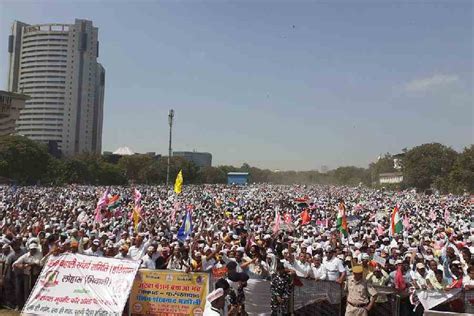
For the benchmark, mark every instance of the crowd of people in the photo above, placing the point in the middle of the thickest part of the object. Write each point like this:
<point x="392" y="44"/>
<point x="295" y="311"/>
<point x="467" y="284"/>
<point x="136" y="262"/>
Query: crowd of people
<point x="278" y="233"/>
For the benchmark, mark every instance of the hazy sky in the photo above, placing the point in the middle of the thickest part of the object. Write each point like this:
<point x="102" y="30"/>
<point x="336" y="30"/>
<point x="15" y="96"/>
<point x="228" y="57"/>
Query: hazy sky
<point x="282" y="85"/>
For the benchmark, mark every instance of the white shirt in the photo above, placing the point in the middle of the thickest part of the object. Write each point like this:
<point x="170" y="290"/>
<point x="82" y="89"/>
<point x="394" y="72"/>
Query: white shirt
<point x="334" y="268"/>
<point x="97" y="253"/>
<point x="318" y="273"/>
<point x="211" y="311"/>
<point x="302" y="269"/>
<point x="207" y="265"/>
<point x="137" y="252"/>
<point x="148" y="263"/>
<point x="466" y="280"/>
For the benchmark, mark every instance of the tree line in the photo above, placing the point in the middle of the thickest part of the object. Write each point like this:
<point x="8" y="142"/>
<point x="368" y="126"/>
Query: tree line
<point x="432" y="165"/>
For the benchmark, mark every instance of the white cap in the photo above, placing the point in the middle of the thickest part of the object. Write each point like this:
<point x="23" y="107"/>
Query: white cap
<point x="214" y="295"/>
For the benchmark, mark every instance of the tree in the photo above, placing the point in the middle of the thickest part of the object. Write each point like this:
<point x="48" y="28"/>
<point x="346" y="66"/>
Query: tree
<point x="23" y="160"/>
<point x="426" y="165"/>
<point x="461" y="177"/>
<point x="382" y="165"/>
<point x="134" y="165"/>
<point x="212" y="175"/>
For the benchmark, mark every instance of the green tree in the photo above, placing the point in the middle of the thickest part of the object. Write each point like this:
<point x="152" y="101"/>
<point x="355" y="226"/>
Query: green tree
<point x="23" y="160"/>
<point x="461" y="177"/>
<point x="134" y="165"/>
<point x="382" y="165"/>
<point x="426" y="165"/>
<point x="212" y="175"/>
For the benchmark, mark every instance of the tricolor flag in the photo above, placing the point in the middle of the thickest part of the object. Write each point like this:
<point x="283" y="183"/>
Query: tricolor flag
<point x="187" y="227"/>
<point x="396" y="225"/>
<point x="342" y="220"/>
<point x="178" y="183"/>
<point x="114" y="202"/>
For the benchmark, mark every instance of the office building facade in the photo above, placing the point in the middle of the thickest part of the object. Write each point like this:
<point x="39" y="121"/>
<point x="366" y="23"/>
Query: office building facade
<point x="56" y="65"/>
<point x="199" y="159"/>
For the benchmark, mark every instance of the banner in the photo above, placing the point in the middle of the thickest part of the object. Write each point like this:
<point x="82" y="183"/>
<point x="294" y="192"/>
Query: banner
<point x="219" y="273"/>
<point x="432" y="298"/>
<point x="378" y="259"/>
<point x="73" y="284"/>
<point x="166" y="292"/>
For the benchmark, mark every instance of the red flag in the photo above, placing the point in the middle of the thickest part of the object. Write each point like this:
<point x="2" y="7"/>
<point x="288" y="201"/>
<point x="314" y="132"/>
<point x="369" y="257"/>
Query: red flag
<point x="287" y="218"/>
<point x="276" y="225"/>
<point x="406" y="222"/>
<point x="103" y="202"/>
<point x="305" y="217"/>
<point x="446" y="215"/>
<point x="380" y="230"/>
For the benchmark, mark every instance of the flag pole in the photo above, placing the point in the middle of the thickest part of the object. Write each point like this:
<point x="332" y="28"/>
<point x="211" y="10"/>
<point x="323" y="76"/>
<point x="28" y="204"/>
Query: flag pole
<point x="170" y="122"/>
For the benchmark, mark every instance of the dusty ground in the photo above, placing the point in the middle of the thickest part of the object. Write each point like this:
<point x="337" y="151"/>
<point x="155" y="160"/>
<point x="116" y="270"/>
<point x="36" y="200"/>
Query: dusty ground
<point x="6" y="312"/>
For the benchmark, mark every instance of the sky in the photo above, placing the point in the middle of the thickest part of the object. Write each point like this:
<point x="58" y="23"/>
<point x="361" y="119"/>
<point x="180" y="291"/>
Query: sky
<point x="288" y="85"/>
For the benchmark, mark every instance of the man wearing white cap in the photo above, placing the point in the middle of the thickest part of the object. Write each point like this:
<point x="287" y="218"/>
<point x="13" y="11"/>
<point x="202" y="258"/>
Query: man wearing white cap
<point x="94" y="250"/>
<point x="217" y="301"/>
<point x="30" y="265"/>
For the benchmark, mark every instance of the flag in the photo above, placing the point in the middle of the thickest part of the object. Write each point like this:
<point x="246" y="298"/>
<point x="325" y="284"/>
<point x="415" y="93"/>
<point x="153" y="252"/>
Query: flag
<point x="179" y="182"/>
<point x="186" y="228"/>
<point x="137" y="196"/>
<point x="396" y="225"/>
<point x="406" y="222"/>
<point x="175" y="208"/>
<point x="103" y="202"/>
<point x="446" y="215"/>
<point x="136" y="216"/>
<point x="137" y="209"/>
<point x="341" y="219"/>
<point x="276" y="225"/>
<point x="114" y="202"/>
<point x="305" y="217"/>
<point x="380" y="230"/>
<point x="399" y="280"/>
<point x="287" y="218"/>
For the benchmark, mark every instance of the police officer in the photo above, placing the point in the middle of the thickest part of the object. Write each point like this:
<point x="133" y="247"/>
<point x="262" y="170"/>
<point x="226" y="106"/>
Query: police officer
<point x="359" y="301"/>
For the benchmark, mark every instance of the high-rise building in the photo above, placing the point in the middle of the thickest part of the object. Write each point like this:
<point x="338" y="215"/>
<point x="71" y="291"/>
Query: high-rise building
<point x="56" y="65"/>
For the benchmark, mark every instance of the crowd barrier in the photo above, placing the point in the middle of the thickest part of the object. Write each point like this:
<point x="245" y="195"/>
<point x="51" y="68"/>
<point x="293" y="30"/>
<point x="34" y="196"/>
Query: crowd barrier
<point x="312" y="298"/>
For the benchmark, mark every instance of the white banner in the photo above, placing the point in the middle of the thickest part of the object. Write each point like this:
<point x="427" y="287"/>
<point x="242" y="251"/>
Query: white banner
<point x="432" y="298"/>
<point x="72" y="284"/>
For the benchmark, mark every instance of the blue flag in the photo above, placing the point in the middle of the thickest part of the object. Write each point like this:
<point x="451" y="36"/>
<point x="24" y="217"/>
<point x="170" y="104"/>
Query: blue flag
<point x="187" y="228"/>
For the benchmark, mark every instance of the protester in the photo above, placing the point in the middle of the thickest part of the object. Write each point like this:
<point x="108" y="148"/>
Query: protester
<point x="315" y="232"/>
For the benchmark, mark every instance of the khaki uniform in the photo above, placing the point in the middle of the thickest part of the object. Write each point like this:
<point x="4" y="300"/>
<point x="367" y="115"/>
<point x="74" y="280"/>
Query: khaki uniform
<point x="358" y="297"/>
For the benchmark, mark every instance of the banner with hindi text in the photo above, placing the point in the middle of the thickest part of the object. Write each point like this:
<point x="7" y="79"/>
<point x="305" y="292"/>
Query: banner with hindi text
<point x="73" y="284"/>
<point x="165" y="292"/>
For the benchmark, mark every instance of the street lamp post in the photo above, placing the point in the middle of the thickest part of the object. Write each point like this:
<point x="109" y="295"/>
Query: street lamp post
<point x="170" y="122"/>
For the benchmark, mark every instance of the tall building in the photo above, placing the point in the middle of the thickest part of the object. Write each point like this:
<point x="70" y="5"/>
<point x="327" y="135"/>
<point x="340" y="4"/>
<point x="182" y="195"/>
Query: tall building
<point x="56" y="65"/>
<point x="10" y="106"/>
<point x="199" y="159"/>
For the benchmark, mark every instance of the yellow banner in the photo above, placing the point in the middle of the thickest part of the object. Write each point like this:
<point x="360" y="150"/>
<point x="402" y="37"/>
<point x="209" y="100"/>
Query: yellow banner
<point x="169" y="293"/>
